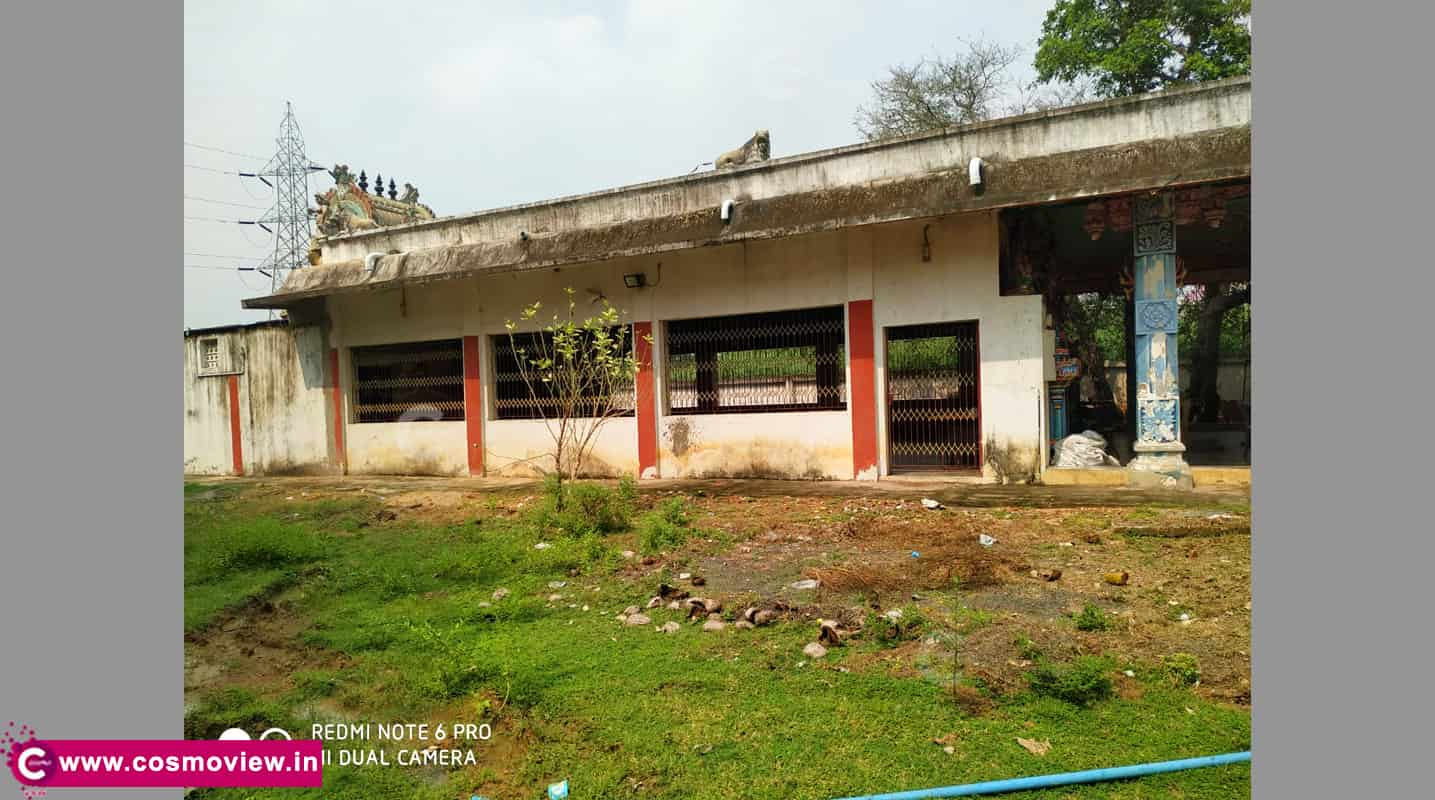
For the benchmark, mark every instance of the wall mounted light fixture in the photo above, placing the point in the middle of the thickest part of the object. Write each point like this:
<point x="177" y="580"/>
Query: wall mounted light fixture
<point x="635" y="280"/>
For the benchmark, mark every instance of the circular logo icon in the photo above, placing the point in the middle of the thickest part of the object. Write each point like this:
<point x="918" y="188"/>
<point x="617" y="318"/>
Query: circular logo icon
<point x="35" y="763"/>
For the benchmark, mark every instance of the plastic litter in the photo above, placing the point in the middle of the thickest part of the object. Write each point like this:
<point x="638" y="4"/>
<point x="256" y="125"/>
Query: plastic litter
<point x="558" y="791"/>
<point x="985" y="540"/>
<point x="928" y="502"/>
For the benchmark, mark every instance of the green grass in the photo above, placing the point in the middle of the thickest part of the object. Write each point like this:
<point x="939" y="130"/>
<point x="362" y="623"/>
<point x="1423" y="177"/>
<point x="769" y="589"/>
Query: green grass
<point x="396" y="607"/>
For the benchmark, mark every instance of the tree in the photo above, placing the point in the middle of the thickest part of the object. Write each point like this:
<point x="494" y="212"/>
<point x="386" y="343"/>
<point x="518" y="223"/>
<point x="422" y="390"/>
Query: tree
<point x="939" y="92"/>
<point x="578" y="373"/>
<point x="1133" y="46"/>
<point x="1205" y="324"/>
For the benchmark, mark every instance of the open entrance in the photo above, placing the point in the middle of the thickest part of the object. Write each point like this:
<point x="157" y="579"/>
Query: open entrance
<point x="933" y="397"/>
<point x="1079" y="256"/>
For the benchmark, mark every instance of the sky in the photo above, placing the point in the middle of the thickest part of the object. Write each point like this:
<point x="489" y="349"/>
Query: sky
<point x="485" y="104"/>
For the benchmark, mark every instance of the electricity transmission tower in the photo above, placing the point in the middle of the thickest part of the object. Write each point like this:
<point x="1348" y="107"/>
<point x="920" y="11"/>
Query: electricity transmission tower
<point x="289" y="216"/>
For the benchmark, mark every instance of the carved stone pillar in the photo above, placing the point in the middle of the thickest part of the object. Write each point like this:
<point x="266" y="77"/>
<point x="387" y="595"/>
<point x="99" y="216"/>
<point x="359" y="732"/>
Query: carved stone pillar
<point x="1158" y="460"/>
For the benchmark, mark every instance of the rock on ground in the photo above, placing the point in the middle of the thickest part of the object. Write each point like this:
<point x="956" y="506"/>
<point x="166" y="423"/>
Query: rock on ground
<point x="814" y="650"/>
<point x="637" y="619"/>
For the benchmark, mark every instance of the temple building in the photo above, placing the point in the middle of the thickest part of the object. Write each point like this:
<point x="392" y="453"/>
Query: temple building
<point x="879" y="309"/>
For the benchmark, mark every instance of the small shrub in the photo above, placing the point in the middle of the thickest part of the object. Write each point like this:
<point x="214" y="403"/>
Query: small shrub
<point x="628" y="492"/>
<point x="674" y="510"/>
<point x="657" y="533"/>
<point x="1027" y="649"/>
<point x="1081" y="682"/>
<point x="1183" y="668"/>
<point x="1092" y="618"/>
<point x="966" y="619"/>
<point x="585" y="509"/>
<point x="889" y="632"/>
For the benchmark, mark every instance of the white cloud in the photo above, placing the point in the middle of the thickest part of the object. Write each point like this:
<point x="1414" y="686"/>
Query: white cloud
<point x="482" y="105"/>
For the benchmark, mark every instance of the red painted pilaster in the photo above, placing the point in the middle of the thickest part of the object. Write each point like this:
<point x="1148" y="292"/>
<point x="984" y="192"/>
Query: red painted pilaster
<point x="647" y="410"/>
<point x="236" y="442"/>
<point x="473" y="404"/>
<point x="863" y="391"/>
<point x="338" y="400"/>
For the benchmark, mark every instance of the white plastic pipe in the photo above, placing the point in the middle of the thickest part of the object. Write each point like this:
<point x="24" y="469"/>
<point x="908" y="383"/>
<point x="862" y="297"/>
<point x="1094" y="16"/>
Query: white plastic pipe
<point x="371" y="261"/>
<point x="727" y="210"/>
<point x="974" y="171"/>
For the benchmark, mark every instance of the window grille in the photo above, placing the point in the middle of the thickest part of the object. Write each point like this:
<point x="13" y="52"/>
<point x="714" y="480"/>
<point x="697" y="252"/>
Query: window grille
<point x="512" y="398"/>
<point x="779" y="361"/>
<point x="410" y="382"/>
<point x="211" y="355"/>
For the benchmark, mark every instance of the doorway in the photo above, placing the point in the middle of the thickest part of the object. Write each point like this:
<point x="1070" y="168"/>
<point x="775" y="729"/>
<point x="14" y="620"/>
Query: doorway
<point x="933" y="398"/>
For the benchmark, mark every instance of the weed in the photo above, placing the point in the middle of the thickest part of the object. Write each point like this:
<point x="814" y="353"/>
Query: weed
<point x="582" y="508"/>
<point x="1081" y="682"/>
<point x="1027" y="649"/>
<point x="894" y="627"/>
<point x="665" y="527"/>
<point x="310" y="684"/>
<point x="1092" y="618"/>
<point x="1183" y="668"/>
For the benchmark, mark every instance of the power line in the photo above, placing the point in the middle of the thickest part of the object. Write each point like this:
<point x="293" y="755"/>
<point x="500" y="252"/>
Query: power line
<point x="259" y="222"/>
<point x="221" y="269"/>
<point x="219" y="255"/>
<point x="211" y="169"/>
<point x="224" y="202"/>
<point x="222" y="150"/>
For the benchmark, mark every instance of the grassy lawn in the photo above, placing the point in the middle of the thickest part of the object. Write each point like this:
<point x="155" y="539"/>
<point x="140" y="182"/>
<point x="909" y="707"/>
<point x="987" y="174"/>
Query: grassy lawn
<point x="348" y="607"/>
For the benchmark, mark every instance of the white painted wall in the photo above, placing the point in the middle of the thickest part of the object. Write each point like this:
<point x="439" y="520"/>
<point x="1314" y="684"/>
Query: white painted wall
<point x="880" y="262"/>
<point x="407" y="448"/>
<point x="207" y="448"/>
<point x="961" y="283"/>
<point x="524" y="447"/>
<point x="787" y="444"/>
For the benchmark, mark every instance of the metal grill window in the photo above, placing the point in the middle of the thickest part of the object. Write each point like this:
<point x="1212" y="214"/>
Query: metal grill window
<point x="933" y="397"/>
<point x="410" y="382"/>
<point x="512" y="398"/>
<point x="780" y="361"/>
<point x="211" y="355"/>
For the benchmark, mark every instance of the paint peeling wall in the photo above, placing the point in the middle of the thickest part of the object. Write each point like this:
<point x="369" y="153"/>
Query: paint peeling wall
<point x="882" y="263"/>
<point x="283" y="401"/>
<point x="794" y="444"/>
<point x="280" y="375"/>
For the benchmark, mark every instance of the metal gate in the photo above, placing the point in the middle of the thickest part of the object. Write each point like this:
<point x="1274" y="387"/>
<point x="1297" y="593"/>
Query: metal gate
<point x="933" y="397"/>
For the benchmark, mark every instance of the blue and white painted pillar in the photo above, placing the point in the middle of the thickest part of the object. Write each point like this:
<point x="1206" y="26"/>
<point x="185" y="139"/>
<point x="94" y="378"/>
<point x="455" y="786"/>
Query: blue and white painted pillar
<point x="1158" y="460"/>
